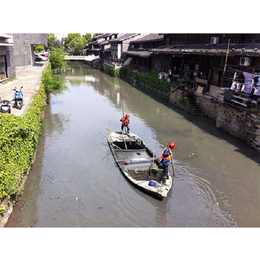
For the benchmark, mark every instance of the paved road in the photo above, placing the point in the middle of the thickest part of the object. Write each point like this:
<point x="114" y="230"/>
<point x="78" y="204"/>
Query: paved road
<point x="30" y="78"/>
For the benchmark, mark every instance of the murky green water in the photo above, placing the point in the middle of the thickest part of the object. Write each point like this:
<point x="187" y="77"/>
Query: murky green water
<point x="75" y="182"/>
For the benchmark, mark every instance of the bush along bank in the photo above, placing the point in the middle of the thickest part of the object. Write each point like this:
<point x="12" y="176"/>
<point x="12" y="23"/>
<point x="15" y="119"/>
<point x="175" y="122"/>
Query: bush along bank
<point x="149" y="80"/>
<point x="162" y="88"/>
<point x="18" y="142"/>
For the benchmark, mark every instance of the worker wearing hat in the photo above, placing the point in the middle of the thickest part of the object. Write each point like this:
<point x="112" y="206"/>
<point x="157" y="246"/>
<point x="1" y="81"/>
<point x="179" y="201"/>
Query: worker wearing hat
<point x="125" y="122"/>
<point x="166" y="158"/>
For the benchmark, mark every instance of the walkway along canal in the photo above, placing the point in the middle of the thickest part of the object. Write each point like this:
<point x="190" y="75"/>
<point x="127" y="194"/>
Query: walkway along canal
<point x="75" y="183"/>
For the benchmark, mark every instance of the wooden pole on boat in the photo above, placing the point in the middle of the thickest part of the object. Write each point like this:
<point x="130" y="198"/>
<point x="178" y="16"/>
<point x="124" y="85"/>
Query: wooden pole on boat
<point x="104" y="135"/>
<point x="124" y="141"/>
<point x="172" y="168"/>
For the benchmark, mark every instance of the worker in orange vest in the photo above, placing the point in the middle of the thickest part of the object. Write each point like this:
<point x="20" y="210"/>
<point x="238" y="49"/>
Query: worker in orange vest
<point x="125" y="122"/>
<point x="166" y="158"/>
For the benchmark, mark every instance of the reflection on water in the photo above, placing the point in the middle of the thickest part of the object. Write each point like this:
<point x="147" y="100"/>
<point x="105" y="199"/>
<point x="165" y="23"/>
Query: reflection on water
<point x="75" y="182"/>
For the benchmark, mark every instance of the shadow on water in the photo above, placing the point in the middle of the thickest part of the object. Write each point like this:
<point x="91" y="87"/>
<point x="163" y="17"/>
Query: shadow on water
<point x="208" y="125"/>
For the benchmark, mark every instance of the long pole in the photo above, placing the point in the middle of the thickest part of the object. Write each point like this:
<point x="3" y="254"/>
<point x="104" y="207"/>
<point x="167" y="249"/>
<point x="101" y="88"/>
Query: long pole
<point x="172" y="168"/>
<point x="225" y="65"/>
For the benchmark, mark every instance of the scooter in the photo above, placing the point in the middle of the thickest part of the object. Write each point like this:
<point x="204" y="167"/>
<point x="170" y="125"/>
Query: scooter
<point x="5" y="106"/>
<point x="18" y="98"/>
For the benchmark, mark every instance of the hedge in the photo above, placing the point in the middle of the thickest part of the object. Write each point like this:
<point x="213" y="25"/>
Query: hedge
<point x="18" y="142"/>
<point x="151" y="79"/>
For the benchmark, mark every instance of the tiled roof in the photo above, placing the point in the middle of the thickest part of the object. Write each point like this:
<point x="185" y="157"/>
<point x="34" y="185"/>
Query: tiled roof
<point x="123" y="36"/>
<point x="104" y="42"/>
<point x="210" y="49"/>
<point x="150" y="37"/>
<point x="144" y="54"/>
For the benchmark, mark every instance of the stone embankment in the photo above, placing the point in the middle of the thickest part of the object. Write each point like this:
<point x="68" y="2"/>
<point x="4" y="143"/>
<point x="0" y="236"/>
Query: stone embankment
<point x="239" y="122"/>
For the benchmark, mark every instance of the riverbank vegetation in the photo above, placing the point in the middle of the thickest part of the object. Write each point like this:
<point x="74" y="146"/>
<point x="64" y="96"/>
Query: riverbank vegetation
<point x="19" y="139"/>
<point x="57" y="59"/>
<point x="151" y="78"/>
<point x="18" y="142"/>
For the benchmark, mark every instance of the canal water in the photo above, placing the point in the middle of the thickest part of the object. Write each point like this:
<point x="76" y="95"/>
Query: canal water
<point x="74" y="181"/>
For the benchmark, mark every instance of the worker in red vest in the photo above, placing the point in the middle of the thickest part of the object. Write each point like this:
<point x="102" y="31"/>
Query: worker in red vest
<point x="125" y="122"/>
<point x="166" y="160"/>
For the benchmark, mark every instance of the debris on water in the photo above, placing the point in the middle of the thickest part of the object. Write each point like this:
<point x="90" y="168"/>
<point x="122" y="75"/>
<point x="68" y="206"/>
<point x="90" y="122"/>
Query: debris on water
<point x="192" y="155"/>
<point x="52" y="198"/>
<point x="77" y="198"/>
<point x="217" y="203"/>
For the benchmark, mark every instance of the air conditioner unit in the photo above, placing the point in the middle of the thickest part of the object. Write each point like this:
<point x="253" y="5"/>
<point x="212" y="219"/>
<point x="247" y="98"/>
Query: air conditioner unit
<point x="244" y="61"/>
<point x="214" y="40"/>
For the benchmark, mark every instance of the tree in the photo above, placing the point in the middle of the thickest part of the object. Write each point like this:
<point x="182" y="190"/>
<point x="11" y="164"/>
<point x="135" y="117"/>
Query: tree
<point x="96" y="34"/>
<point x="70" y="37"/>
<point x="88" y="37"/>
<point x="57" y="59"/>
<point x="53" y="42"/>
<point x="78" y="44"/>
<point x="39" y="48"/>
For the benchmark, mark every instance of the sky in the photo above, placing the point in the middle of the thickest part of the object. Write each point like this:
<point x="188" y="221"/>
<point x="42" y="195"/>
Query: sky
<point x="61" y="35"/>
<point x="111" y="16"/>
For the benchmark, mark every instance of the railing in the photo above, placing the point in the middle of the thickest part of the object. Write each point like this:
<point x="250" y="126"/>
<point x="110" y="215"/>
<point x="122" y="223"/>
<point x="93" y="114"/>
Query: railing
<point x="75" y="57"/>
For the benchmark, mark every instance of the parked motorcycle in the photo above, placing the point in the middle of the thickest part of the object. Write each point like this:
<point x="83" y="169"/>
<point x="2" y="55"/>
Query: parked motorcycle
<point x="5" y="106"/>
<point x="18" y="97"/>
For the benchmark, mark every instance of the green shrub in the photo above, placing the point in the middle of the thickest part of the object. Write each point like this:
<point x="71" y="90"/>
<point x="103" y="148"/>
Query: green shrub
<point x="51" y="82"/>
<point x="151" y="79"/>
<point x="18" y="142"/>
<point x="57" y="59"/>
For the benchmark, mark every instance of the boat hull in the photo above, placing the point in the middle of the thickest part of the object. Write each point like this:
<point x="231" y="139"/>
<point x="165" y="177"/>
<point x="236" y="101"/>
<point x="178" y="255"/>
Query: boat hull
<point x="134" y="159"/>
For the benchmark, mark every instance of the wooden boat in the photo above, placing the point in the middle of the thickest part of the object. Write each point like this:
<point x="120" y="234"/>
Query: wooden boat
<point x="137" y="163"/>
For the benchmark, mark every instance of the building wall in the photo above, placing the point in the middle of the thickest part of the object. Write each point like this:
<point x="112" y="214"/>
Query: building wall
<point x="8" y="53"/>
<point x="24" y="47"/>
<point x="10" y="62"/>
